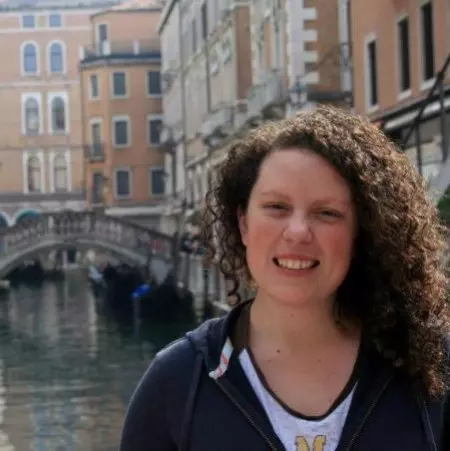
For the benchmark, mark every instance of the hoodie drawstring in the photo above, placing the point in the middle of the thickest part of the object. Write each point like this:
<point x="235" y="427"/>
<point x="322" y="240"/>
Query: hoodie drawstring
<point x="190" y="404"/>
<point x="425" y="416"/>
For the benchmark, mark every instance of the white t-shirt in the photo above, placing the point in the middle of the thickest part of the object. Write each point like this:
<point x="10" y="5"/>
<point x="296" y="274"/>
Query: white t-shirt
<point x="296" y="433"/>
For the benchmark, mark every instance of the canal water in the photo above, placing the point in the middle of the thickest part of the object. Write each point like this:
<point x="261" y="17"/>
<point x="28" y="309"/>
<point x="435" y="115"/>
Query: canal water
<point x="68" y="367"/>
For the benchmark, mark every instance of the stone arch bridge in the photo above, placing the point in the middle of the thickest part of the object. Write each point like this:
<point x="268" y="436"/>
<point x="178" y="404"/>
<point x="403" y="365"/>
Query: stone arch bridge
<point x="85" y="230"/>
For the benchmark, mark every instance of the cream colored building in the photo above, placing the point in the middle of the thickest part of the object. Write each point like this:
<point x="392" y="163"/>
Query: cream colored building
<point x="41" y="153"/>
<point x="230" y="65"/>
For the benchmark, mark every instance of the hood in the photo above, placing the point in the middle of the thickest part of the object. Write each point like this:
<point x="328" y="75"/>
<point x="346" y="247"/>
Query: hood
<point x="211" y="340"/>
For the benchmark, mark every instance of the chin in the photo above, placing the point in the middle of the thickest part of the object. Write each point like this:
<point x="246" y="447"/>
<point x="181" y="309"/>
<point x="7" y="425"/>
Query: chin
<point x="289" y="297"/>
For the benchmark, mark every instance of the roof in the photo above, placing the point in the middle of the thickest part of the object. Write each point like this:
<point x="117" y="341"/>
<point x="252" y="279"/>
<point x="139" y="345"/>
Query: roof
<point x="131" y="5"/>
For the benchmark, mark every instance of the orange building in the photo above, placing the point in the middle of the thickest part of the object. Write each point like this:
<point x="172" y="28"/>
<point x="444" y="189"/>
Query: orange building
<point x="122" y="112"/>
<point x="400" y="47"/>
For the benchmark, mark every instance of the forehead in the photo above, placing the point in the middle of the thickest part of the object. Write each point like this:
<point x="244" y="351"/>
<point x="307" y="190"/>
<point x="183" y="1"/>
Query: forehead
<point x="301" y="171"/>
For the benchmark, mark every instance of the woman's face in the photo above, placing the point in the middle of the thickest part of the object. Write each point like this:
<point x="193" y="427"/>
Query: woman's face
<point x="299" y="228"/>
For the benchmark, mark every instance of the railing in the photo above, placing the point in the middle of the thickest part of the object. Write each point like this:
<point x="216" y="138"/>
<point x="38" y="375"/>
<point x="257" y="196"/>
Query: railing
<point x="216" y="120"/>
<point x="269" y="92"/>
<point x="89" y="226"/>
<point x="254" y="102"/>
<point x="436" y="90"/>
<point x="124" y="49"/>
<point x="272" y="89"/>
<point x="95" y="152"/>
<point x="240" y="115"/>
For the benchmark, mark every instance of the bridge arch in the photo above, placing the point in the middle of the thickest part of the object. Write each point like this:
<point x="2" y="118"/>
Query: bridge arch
<point x="129" y="242"/>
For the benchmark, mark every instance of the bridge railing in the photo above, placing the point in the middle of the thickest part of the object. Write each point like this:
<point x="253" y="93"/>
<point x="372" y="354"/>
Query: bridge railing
<point x="76" y="226"/>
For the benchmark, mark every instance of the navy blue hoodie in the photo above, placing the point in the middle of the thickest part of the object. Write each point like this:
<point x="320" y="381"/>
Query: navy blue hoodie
<point x="196" y="397"/>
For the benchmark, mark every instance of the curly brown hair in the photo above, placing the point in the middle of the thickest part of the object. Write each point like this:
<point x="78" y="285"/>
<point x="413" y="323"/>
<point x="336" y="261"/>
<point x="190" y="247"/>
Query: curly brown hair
<point x="397" y="284"/>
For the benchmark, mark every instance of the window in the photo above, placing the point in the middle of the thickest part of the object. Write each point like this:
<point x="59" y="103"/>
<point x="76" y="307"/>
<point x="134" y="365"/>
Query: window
<point x="30" y="58"/>
<point x="119" y="84"/>
<point x="154" y="130"/>
<point x="194" y="36"/>
<point x="226" y="50"/>
<point x="60" y="173"/>
<point x="58" y="115"/>
<point x="157" y="181"/>
<point x="28" y="21"/>
<point x="121" y="131"/>
<point x="97" y="187"/>
<point x="54" y="20"/>
<point x="102" y="32"/>
<point x="426" y="22"/>
<point x="56" y="58"/>
<point x="96" y="132"/>
<point x="154" y="83"/>
<point x="204" y="16"/>
<point x="93" y="84"/>
<point x="34" y="175"/>
<point x="214" y="63"/>
<point x="32" y="116"/>
<point x="371" y="73"/>
<point x="123" y="182"/>
<point x="403" y="54"/>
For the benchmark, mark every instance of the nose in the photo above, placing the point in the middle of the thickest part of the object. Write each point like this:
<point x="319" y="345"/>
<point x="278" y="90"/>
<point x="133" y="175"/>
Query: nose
<point x="298" y="229"/>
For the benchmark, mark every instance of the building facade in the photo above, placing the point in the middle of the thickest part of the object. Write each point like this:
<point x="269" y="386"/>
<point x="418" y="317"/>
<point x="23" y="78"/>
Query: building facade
<point x="231" y="65"/>
<point x="122" y="112"/>
<point x="41" y="158"/>
<point x="227" y="67"/>
<point x="174" y="114"/>
<point x="401" y="47"/>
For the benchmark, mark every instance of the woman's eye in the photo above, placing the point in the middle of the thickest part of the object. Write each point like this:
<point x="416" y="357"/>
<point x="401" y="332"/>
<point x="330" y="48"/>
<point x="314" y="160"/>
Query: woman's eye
<point x="331" y="214"/>
<point x="275" y="206"/>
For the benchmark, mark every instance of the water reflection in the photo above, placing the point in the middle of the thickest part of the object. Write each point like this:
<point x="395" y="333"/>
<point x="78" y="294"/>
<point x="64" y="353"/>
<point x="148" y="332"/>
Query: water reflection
<point x="68" y="367"/>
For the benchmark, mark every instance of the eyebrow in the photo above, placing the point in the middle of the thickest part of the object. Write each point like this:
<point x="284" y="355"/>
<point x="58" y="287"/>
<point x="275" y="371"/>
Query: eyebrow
<point x="323" y="200"/>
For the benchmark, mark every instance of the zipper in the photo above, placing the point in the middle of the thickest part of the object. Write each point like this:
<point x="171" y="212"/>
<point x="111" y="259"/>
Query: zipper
<point x="274" y="447"/>
<point x="266" y="438"/>
<point x="367" y="415"/>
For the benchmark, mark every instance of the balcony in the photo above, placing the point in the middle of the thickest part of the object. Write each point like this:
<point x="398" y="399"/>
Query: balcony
<point x="122" y="50"/>
<point x="95" y="152"/>
<point x="267" y="99"/>
<point x="240" y="115"/>
<point x="219" y="123"/>
<point x="170" y="136"/>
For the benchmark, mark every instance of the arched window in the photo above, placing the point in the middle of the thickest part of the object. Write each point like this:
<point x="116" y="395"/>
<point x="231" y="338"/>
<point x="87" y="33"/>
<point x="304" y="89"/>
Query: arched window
<point x="56" y="58"/>
<point x="60" y="173"/>
<point x="34" y="175"/>
<point x="32" y="119"/>
<point x="58" y="115"/>
<point x="30" y="59"/>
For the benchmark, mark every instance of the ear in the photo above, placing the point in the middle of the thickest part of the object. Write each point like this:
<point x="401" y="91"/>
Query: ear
<point x="243" y="228"/>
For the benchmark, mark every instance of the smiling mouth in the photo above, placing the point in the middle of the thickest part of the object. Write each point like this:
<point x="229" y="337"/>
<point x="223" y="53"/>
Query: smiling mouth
<point x="295" y="264"/>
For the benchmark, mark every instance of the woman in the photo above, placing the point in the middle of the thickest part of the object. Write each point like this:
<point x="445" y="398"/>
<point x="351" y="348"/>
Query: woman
<point x="344" y="345"/>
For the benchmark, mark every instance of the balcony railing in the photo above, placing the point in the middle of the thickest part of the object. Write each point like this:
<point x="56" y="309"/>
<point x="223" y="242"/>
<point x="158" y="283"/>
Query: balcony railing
<point x="218" y="122"/>
<point x="240" y="115"/>
<point x="265" y="95"/>
<point x="148" y="48"/>
<point x="171" y="135"/>
<point x="95" y="152"/>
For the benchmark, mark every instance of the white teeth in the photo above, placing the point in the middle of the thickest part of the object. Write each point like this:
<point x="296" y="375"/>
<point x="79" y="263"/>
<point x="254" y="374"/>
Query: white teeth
<point x="295" y="264"/>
